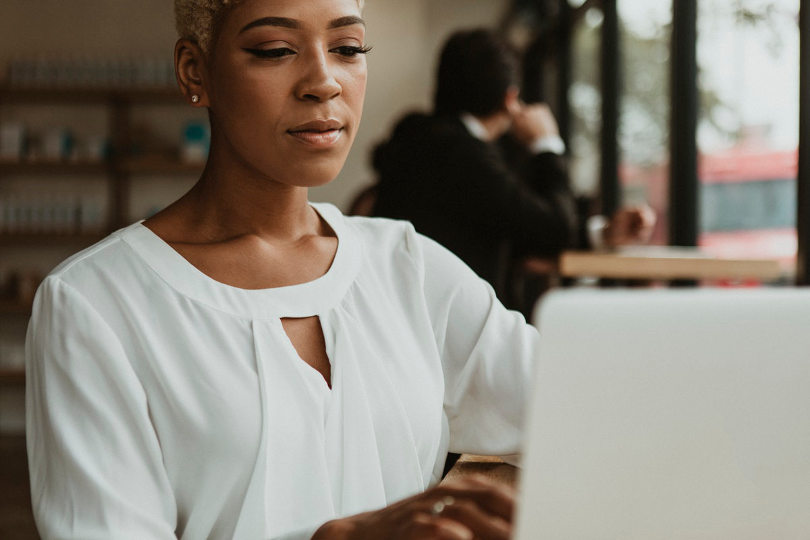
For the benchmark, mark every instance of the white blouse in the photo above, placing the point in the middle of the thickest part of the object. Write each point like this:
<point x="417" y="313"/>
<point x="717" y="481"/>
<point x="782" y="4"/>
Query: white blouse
<point x="162" y="403"/>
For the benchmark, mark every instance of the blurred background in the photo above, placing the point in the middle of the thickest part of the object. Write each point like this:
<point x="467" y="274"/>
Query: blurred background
<point x="690" y="106"/>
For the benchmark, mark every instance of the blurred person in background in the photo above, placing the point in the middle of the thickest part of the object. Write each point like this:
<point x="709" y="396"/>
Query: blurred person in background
<point x="447" y="173"/>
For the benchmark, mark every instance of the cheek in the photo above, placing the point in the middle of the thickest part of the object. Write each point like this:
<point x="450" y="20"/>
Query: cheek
<point x="237" y="84"/>
<point x="362" y="90"/>
<point x="249" y="101"/>
<point x="241" y="85"/>
<point x="355" y="91"/>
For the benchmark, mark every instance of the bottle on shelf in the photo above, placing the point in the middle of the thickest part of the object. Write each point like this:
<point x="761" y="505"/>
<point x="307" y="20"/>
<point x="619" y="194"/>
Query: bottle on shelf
<point x="42" y="71"/>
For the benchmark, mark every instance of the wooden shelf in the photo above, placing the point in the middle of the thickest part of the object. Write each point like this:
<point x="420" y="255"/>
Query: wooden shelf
<point x="119" y="167"/>
<point x="91" y="94"/>
<point x="53" y="167"/>
<point x="148" y="164"/>
<point x="46" y="239"/>
<point x="12" y="377"/>
<point x="13" y="307"/>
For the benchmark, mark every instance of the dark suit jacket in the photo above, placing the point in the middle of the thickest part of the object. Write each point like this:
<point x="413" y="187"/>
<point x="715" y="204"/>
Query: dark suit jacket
<point x="461" y="192"/>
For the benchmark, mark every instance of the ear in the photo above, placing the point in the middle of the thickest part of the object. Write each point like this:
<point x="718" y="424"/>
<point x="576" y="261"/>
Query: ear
<point x="190" y="69"/>
<point x="511" y="101"/>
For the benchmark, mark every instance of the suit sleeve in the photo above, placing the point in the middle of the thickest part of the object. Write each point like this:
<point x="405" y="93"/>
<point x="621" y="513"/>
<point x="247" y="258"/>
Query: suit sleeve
<point x="95" y="461"/>
<point x="534" y="208"/>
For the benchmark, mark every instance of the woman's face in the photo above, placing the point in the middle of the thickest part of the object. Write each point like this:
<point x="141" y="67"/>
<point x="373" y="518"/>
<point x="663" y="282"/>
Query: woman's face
<point x="286" y="83"/>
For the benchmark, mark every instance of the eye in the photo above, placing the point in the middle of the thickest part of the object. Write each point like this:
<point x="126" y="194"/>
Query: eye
<point x="351" y="50"/>
<point x="277" y="52"/>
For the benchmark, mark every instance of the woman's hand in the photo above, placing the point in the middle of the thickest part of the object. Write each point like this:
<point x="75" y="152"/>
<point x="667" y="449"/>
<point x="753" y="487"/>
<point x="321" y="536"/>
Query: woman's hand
<point x="464" y="509"/>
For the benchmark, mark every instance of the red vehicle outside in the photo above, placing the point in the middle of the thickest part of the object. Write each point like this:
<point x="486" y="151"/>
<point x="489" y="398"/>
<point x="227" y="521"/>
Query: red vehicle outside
<point x="747" y="201"/>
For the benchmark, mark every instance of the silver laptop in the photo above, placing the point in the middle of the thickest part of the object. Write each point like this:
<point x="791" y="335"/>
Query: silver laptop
<point x="678" y="414"/>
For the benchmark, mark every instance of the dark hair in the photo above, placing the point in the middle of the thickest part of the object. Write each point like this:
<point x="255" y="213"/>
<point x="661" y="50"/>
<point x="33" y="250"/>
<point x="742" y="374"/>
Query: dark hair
<point x="476" y="69"/>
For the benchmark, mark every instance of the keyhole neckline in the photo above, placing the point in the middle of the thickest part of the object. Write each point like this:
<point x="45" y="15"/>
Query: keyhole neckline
<point x="294" y="301"/>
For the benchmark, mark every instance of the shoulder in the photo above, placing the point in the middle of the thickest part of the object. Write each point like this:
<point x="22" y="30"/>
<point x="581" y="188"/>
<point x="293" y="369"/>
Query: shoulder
<point x="73" y="293"/>
<point x="396" y="244"/>
<point x="451" y="130"/>
<point x="380" y="235"/>
<point x="108" y="259"/>
<point x="425" y="135"/>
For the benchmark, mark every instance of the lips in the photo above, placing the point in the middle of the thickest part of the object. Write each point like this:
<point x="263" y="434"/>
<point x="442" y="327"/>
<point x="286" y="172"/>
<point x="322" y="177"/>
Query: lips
<point x="318" y="133"/>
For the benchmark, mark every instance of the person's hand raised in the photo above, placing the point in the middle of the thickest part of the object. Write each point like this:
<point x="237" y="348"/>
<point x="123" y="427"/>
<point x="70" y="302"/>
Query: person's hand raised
<point x="532" y="122"/>
<point x="465" y="509"/>
<point x="630" y="225"/>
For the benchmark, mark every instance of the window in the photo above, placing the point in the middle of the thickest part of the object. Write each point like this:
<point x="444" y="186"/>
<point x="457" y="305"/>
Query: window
<point x="585" y="99"/>
<point x="645" y="36"/>
<point x="735" y="193"/>
<point x="748" y="61"/>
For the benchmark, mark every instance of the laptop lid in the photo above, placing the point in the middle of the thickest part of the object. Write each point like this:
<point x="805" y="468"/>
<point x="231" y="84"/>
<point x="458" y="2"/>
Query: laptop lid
<point x="680" y="414"/>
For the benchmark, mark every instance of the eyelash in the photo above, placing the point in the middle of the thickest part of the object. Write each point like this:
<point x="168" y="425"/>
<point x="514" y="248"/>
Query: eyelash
<point x="348" y="51"/>
<point x="352" y="50"/>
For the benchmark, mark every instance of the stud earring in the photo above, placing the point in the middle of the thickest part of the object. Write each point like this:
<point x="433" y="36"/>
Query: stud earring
<point x="195" y="98"/>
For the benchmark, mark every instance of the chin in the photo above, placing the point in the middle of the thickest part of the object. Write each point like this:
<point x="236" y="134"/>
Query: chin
<point x="314" y="176"/>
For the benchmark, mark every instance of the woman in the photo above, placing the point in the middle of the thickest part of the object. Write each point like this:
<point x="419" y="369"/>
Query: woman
<point x="248" y="365"/>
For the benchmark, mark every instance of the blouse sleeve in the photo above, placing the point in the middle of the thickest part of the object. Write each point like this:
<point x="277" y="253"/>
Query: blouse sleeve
<point x="95" y="461"/>
<point x="487" y="356"/>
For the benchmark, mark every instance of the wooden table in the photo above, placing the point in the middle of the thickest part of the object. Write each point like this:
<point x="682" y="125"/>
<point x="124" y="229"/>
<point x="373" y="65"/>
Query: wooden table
<point x="492" y="467"/>
<point x="665" y="263"/>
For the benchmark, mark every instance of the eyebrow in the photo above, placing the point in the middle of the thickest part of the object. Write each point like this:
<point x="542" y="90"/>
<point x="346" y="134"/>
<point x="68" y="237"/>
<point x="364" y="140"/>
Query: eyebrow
<point x="285" y="22"/>
<point x="346" y="21"/>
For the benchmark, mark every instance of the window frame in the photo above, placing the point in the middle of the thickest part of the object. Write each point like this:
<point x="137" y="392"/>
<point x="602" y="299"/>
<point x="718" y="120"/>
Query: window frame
<point x="683" y="204"/>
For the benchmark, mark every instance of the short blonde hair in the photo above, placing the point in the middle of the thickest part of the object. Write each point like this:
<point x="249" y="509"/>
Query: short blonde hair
<point x="196" y="20"/>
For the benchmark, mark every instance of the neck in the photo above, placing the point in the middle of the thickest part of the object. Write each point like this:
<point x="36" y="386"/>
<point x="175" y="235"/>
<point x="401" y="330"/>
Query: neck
<point x="225" y="207"/>
<point x="233" y="199"/>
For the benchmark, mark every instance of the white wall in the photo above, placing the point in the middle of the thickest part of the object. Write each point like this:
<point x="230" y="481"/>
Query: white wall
<point x="406" y="35"/>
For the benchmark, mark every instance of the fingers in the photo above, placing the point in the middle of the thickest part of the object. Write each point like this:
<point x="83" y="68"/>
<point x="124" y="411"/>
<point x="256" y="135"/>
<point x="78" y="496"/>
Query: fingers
<point x="427" y="526"/>
<point x="647" y="215"/>
<point x="485" y="525"/>
<point x="535" y="108"/>
<point x="534" y="121"/>
<point x="496" y="499"/>
<point x="470" y="508"/>
<point x="476" y="504"/>
<point x="642" y="214"/>
<point x="631" y="225"/>
<point x="634" y="222"/>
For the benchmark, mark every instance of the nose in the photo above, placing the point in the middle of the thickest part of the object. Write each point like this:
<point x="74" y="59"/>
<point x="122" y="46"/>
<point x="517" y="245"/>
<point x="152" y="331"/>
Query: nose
<point x="318" y="82"/>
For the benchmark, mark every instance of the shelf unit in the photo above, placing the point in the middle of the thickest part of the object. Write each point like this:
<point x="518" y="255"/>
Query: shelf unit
<point x="8" y="168"/>
<point x="12" y="377"/>
<point x="12" y="307"/>
<point x="117" y="169"/>
<point x="46" y="239"/>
